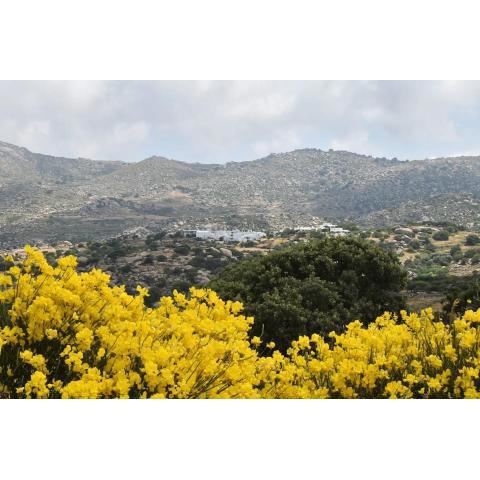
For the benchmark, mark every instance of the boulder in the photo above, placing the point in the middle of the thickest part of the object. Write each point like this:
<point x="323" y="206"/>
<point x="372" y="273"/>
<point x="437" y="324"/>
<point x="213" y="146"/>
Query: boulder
<point x="228" y="253"/>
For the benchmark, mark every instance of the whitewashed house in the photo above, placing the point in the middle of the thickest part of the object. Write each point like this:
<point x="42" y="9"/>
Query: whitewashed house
<point x="338" y="231"/>
<point x="225" y="235"/>
<point x="325" y="227"/>
<point x="304" y="229"/>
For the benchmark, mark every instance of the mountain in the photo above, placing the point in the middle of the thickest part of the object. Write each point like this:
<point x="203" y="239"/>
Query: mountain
<point x="47" y="198"/>
<point x="32" y="184"/>
<point x="19" y="165"/>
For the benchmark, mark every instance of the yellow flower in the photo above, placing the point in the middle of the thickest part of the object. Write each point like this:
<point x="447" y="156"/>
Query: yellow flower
<point x="84" y="338"/>
<point x="434" y="361"/>
<point x="143" y="292"/>
<point x="36" y="386"/>
<point x="51" y="333"/>
<point x="67" y="262"/>
<point x="197" y="346"/>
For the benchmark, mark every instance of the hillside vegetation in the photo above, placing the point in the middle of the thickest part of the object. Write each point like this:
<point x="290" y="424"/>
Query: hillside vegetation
<point x="70" y="335"/>
<point x="48" y="198"/>
<point x="439" y="272"/>
<point x="314" y="287"/>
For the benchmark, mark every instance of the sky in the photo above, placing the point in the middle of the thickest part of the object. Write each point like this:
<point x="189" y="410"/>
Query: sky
<point x="223" y="121"/>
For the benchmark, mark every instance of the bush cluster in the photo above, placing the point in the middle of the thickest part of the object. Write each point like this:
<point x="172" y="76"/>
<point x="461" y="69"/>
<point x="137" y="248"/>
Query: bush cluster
<point x="314" y="287"/>
<point x="70" y="335"/>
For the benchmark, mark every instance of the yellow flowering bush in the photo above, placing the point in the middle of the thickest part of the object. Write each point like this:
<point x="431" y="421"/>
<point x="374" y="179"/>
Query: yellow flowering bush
<point x="411" y="357"/>
<point x="70" y="335"/>
<point x="65" y="334"/>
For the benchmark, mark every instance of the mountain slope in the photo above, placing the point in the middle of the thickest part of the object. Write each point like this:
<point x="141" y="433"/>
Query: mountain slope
<point x="19" y="165"/>
<point x="44" y="197"/>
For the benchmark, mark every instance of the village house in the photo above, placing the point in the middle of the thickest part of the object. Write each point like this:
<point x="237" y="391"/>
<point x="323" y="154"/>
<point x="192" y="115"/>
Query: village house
<point x="225" y="235"/>
<point x="325" y="227"/>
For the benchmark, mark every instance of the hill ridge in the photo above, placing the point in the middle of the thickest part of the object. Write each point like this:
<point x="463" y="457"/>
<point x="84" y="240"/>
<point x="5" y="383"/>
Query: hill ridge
<point x="43" y="196"/>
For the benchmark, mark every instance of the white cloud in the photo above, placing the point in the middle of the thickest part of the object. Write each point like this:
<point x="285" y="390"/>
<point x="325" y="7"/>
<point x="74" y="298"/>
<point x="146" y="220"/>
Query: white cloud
<point x="223" y="121"/>
<point x="36" y="133"/>
<point x="355" y="141"/>
<point x="131" y="132"/>
<point x="288" y="141"/>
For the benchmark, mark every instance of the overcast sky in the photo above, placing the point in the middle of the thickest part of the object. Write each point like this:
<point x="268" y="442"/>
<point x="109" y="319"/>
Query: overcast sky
<point x="232" y="121"/>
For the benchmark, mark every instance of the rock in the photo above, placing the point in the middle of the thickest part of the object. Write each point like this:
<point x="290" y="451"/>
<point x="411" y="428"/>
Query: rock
<point x="82" y="260"/>
<point x="137" y="232"/>
<point x="226" y="252"/>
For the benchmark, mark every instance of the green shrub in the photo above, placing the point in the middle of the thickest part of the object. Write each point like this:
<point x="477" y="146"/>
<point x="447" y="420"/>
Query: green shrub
<point x="443" y="260"/>
<point x="127" y="268"/>
<point x="463" y="297"/>
<point x="198" y="262"/>
<point x="414" y="245"/>
<point x="441" y="235"/>
<point x="471" y="240"/>
<point x="182" y="249"/>
<point x="148" y="260"/>
<point x="455" y="249"/>
<point x="213" y="264"/>
<point x="470" y="253"/>
<point x="316" y="286"/>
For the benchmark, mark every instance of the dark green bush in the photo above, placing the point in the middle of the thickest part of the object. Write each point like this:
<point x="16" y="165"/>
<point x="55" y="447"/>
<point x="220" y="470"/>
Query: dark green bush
<point x="463" y="297"/>
<point x="414" y="245"/>
<point x="182" y="249"/>
<point x="148" y="260"/>
<point x="441" y="235"/>
<point x="472" y="240"/>
<point x="198" y="262"/>
<point x="455" y="250"/>
<point x="127" y="268"/>
<point x="316" y="286"/>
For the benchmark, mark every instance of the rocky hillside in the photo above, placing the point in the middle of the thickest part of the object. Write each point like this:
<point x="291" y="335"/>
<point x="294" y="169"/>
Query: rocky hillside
<point x="48" y="198"/>
<point x="35" y="185"/>
<point x="19" y="165"/>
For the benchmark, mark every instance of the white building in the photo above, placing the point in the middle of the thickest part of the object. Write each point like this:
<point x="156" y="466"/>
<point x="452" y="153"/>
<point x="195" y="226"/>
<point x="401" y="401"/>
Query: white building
<point x="225" y="235"/>
<point x="304" y="229"/>
<point x="338" y="231"/>
<point x="325" y="227"/>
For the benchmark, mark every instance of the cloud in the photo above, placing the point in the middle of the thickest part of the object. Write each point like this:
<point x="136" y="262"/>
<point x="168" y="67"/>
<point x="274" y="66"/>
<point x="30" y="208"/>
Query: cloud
<point x="287" y="141"/>
<point x="356" y="141"/>
<point x="224" y="121"/>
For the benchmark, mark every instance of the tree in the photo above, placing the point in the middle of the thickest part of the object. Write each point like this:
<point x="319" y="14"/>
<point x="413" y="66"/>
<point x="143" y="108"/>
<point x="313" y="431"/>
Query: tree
<point x="182" y="249"/>
<point x="414" y="245"/>
<point x="314" y="287"/>
<point x="456" y="252"/>
<point x="463" y="298"/>
<point x="455" y="249"/>
<point x="472" y="240"/>
<point x="441" y="235"/>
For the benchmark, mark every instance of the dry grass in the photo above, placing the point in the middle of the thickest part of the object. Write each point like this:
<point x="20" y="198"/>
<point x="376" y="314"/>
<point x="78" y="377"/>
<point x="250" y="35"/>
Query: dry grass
<point x="456" y="239"/>
<point x="420" y="300"/>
